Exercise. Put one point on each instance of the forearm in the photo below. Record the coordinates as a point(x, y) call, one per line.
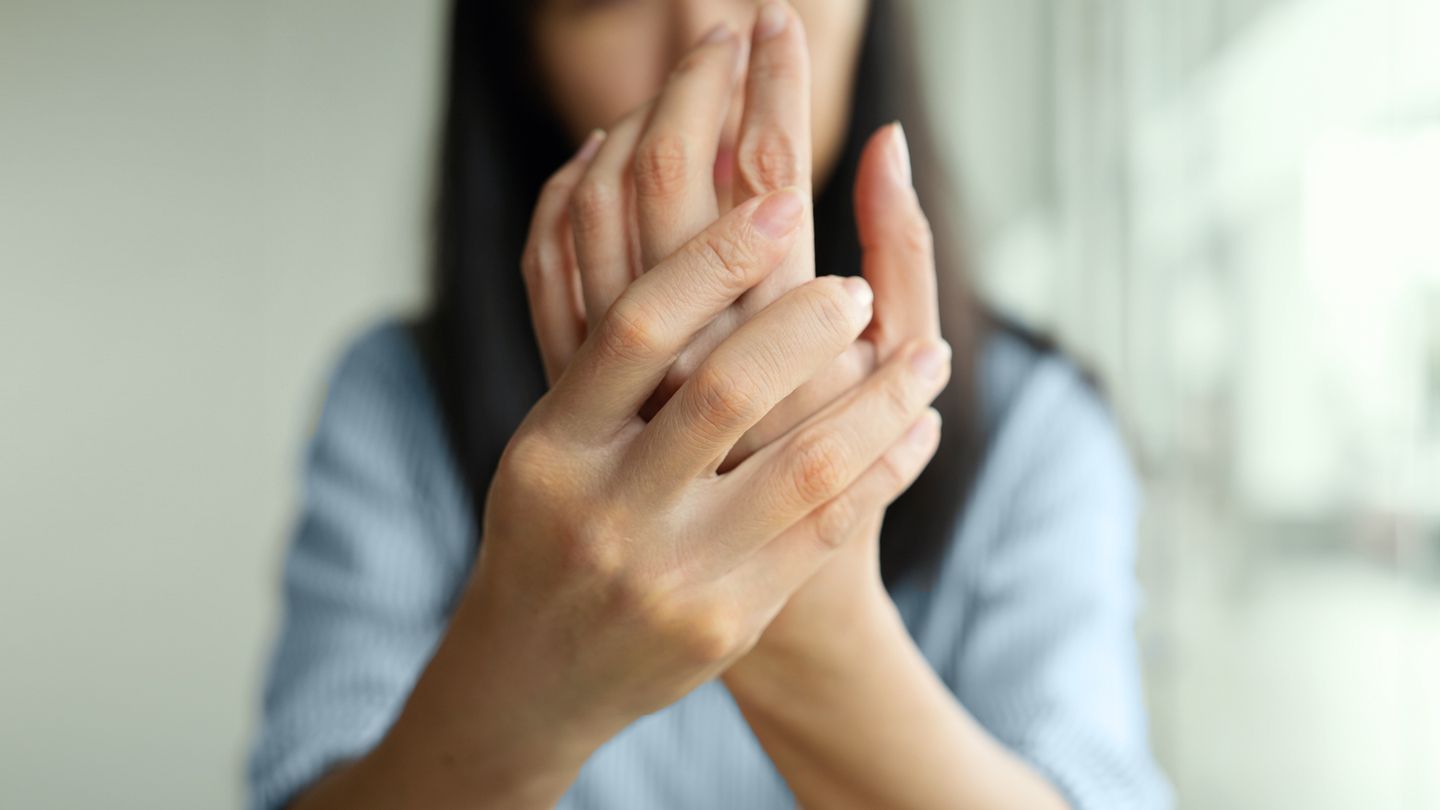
point(430, 777)
point(471, 735)
point(860, 720)
point(422, 769)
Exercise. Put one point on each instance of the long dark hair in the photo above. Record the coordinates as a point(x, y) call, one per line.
point(500, 142)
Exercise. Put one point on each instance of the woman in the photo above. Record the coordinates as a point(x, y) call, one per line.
point(663, 581)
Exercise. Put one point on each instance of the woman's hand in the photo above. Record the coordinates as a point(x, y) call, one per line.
point(899, 262)
point(658, 481)
point(652, 188)
point(837, 659)
point(653, 183)
point(614, 553)
point(619, 567)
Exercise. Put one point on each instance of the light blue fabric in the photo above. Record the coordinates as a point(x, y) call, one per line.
point(1030, 621)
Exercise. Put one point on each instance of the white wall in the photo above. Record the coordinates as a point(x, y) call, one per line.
point(198, 201)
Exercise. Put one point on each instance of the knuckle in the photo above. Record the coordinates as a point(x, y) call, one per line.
point(592, 203)
point(721, 400)
point(662, 164)
point(836, 520)
point(778, 68)
point(896, 395)
point(592, 553)
point(769, 159)
point(634, 597)
point(589, 542)
point(528, 459)
point(819, 466)
point(630, 332)
point(729, 258)
point(896, 475)
point(712, 637)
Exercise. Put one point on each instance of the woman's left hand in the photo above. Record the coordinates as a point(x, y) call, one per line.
point(899, 262)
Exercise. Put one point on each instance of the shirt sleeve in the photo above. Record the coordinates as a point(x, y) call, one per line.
point(369, 575)
point(1048, 659)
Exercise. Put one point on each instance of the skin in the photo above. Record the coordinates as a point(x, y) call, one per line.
point(637, 547)
point(601, 59)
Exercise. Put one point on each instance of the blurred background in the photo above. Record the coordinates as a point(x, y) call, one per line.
point(1230, 209)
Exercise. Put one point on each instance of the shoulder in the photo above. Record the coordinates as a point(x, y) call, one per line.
point(1056, 465)
point(1038, 631)
point(1038, 405)
point(379, 378)
point(381, 360)
point(380, 418)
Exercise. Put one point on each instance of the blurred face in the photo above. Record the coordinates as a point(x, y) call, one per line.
point(600, 59)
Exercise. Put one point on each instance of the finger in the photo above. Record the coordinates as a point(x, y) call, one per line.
point(823, 457)
point(624, 359)
point(781, 566)
point(842, 375)
point(674, 167)
point(897, 246)
point(599, 217)
point(773, 150)
point(548, 264)
point(761, 364)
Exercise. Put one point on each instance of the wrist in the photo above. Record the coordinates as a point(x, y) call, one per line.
point(780, 671)
point(442, 766)
point(480, 727)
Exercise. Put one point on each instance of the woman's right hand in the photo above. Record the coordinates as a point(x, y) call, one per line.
point(621, 568)
point(618, 568)
point(617, 562)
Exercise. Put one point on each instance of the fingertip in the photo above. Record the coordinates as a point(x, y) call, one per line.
point(778, 214)
point(771, 21)
point(925, 433)
point(860, 291)
point(899, 148)
point(935, 418)
point(930, 360)
point(886, 174)
point(591, 146)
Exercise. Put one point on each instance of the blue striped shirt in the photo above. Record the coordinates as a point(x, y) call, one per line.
point(1030, 622)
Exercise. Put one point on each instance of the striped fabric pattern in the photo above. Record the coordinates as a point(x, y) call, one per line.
point(1030, 622)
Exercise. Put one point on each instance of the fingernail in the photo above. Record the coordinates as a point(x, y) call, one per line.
point(591, 145)
point(930, 362)
point(860, 291)
point(771, 21)
point(719, 33)
point(779, 213)
point(900, 154)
